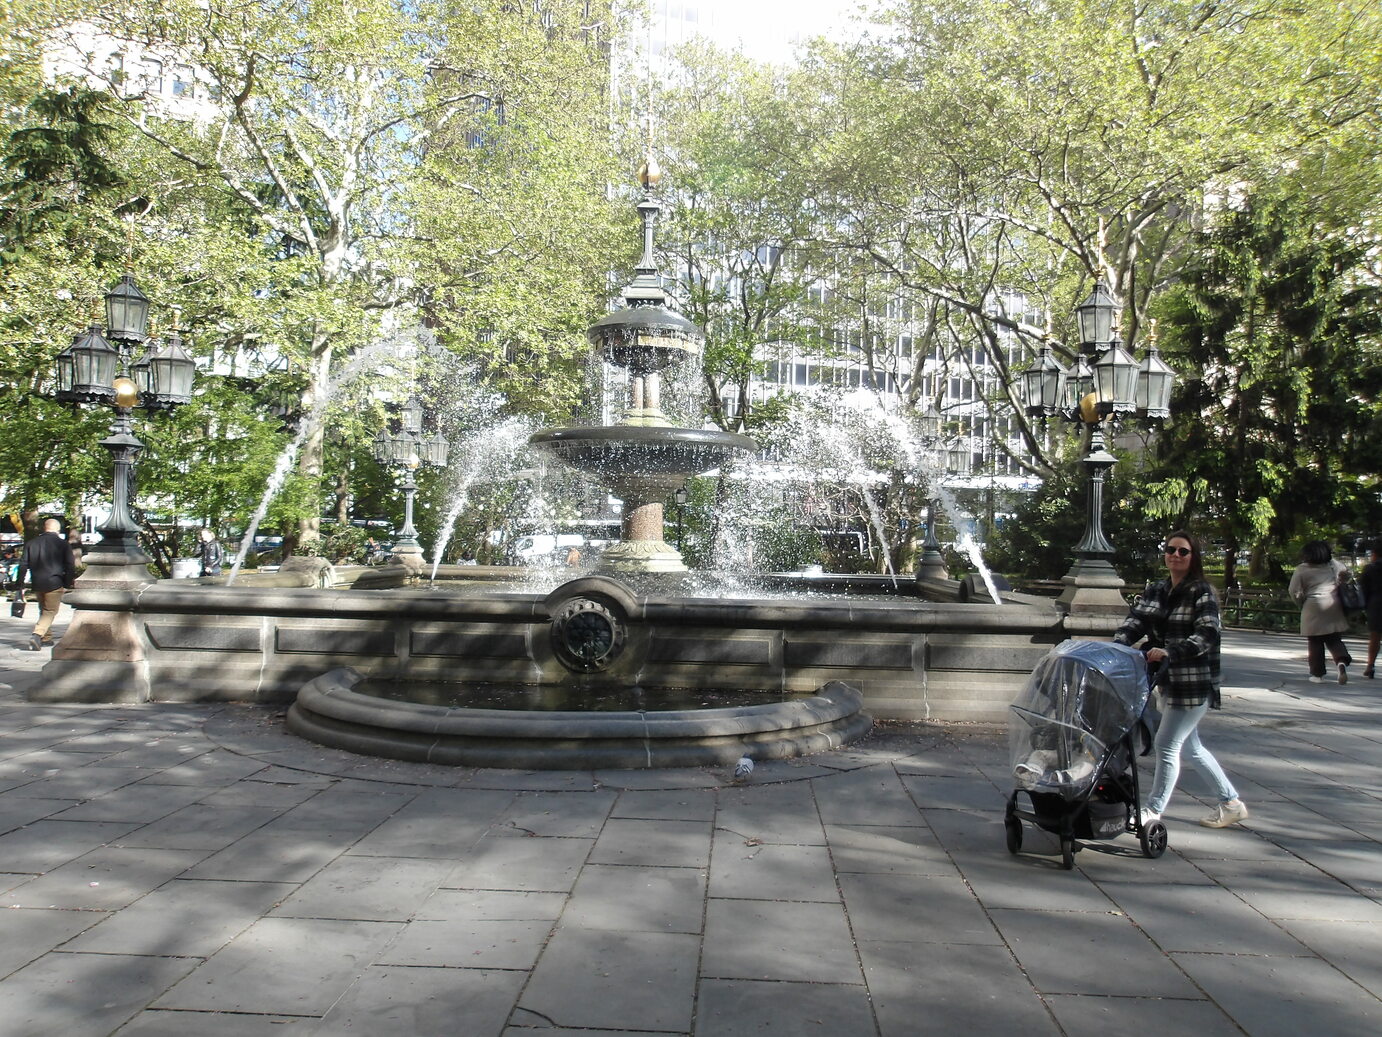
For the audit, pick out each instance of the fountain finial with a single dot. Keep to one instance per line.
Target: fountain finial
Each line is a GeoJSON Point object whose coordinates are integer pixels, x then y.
{"type": "Point", "coordinates": [646, 288]}
{"type": "Point", "coordinates": [649, 173]}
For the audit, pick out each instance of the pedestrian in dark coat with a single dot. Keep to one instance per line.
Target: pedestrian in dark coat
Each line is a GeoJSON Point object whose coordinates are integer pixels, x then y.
{"type": "Point", "coordinates": [1370, 583]}
{"type": "Point", "coordinates": [210, 553]}
{"type": "Point", "coordinates": [51, 570]}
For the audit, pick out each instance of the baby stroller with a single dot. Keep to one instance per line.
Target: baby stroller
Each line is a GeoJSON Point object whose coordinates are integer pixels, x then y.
{"type": "Point", "coordinates": [1071, 733]}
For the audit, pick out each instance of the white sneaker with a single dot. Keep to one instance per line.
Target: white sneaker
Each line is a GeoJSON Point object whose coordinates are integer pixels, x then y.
{"type": "Point", "coordinates": [1147, 817]}
{"type": "Point", "coordinates": [1226, 814]}
{"type": "Point", "coordinates": [1316, 680]}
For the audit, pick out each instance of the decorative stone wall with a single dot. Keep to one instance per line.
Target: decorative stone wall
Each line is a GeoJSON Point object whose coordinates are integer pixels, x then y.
{"type": "Point", "coordinates": [911, 659]}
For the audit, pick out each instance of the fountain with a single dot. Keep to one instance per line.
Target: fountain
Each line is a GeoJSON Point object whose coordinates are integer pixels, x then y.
{"type": "Point", "coordinates": [643, 459]}
{"type": "Point", "coordinates": [627, 666]}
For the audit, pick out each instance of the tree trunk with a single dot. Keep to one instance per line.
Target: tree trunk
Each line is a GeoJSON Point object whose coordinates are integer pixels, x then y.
{"type": "Point", "coordinates": [315, 398]}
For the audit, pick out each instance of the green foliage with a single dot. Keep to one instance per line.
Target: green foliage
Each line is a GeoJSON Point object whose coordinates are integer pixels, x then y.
{"type": "Point", "coordinates": [1276, 327]}
{"type": "Point", "coordinates": [56, 163]}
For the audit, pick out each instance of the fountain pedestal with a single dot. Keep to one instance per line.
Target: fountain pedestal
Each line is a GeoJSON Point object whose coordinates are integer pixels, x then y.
{"type": "Point", "coordinates": [641, 548]}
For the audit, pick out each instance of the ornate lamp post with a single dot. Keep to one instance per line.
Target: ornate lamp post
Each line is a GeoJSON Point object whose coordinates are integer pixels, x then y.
{"type": "Point", "coordinates": [1106, 383]}
{"type": "Point", "coordinates": [932, 564]}
{"type": "Point", "coordinates": [681, 497]}
{"type": "Point", "coordinates": [92, 370]}
{"type": "Point", "coordinates": [407, 449]}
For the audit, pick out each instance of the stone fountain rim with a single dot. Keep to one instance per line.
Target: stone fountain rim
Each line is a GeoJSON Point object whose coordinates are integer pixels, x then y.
{"type": "Point", "coordinates": [332, 694]}
{"type": "Point", "coordinates": [643, 434]}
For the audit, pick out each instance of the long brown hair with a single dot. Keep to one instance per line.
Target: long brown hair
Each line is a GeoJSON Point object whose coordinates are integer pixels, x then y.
{"type": "Point", "coordinates": [1196, 570]}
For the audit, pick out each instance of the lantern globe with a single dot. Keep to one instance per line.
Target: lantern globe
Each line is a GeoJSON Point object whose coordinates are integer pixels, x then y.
{"type": "Point", "coordinates": [127, 311]}
{"type": "Point", "coordinates": [1096, 316]}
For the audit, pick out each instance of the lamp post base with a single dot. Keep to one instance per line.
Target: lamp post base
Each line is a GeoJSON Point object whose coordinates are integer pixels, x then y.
{"type": "Point", "coordinates": [1093, 586]}
{"type": "Point", "coordinates": [115, 566]}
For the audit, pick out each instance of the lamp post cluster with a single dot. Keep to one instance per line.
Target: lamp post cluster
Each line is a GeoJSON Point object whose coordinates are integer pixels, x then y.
{"type": "Point", "coordinates": [1105, 383]}
{"type": "Point", "coordinates": [99, 367]}
{"type": "Point", "coordinates": [407, 449]}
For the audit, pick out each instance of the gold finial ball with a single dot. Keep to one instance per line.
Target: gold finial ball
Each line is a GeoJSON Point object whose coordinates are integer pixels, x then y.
{"type": "Point", "coordinates": [1089, 408]}
{"type": "Point", "coordinates": [649, 173]}
{"type": "Point", "coordinates": [126, 393]}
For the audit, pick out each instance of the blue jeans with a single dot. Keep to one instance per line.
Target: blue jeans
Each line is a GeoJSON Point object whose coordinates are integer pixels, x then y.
{"type": "Point", "coordinates": [1177, 731]}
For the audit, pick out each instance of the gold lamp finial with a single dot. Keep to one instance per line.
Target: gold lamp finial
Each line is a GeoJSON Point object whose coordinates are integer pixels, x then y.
{"type": "Point", "coordinates": [649, 173]}
{"type": "Point", "coordinates": [126, 392]}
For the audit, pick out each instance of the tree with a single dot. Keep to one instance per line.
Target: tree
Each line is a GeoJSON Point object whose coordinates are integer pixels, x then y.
{"type": "Point", "coordinates": [338, 127]}
{"type": "Point", "coordinates": [1279, 323]}
{"type": "Point", "coordinates": [986, 149]}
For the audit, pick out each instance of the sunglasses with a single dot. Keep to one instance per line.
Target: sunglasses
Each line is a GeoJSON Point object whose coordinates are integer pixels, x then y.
{"type": "Point", "coordinates": [1182, 551]}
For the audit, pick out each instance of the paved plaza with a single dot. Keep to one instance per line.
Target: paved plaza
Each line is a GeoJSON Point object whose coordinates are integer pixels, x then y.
{"type": "Point", "coordinates": [173, 870]}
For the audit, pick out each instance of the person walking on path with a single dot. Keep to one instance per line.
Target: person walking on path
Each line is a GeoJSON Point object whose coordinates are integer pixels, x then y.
{"type": "Point", "coordinates": [51, 569]}
{"type": "Point", "coordinates": [1179, 618]}
{"type": "Point", "coordinates": [210, 553]}
{"type": "Point", "coordinates": [1370, 583]}
{"type": "Point", "coordinates": [1314, 588]}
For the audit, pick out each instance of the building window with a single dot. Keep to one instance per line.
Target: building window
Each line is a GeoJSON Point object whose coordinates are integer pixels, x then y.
{"type": "Point", "coordinates": [116, 69]}
{"type": "Point", "coordinates": [182, 81]}
{"type": "Point", "coordinates": [153, 76]}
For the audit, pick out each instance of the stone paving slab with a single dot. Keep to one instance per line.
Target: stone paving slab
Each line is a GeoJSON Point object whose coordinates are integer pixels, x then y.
{"type": "Point", "coordinates": [27, 934]}
{"type": "Point", "coordinates": [49, 844]}
{"type": "Point", "coordinates": [891, 907]}
{"type": "Point", "coordinates": [1087, 1016]}
{"type": "Point", "coordinates": [287, 966]}
{"type": "Point", "coordinates": [653, 843]}
{"type": "Point", "coordinates": [1284, 997]}
{"type": "Point", "coordinates": [637, 899]}
{"type": "Point", "coordinates": [183, 918]}
{"type": "Point", "coordinates": [742, 1008]}
{"type": "Point", "coordinates": [883, 849]}
{"type": "Point", "coordinates": [473, 944]}
{"type": "Point", "coordinates": [779, 940]}
{"type": "Point", "coordinates": [1354, 948]}
{"type": "Point", "coordinates": [106, 879]}
{"type": "Point", "coordinates": [590, 978]}
{"type": "Point", "coordinates": [424, 1002]}
{"type": "Point", "coordinates": [746, 869]}
{"type": "Point", "coordinates": [379, 889]}
{"type": "Point", "coordinates": [947, 989]}
{"type": "Point", "coordinates": [532, 865]}
{"type": "Point", "coordinates": [1089, 952]}
{"type": "Point", "coordinates": [1210, 919]}
{"type": "Point", "coordinates": [251, 884]}
{"type": "Point", "coordinates": [162, 1022]}
{"type": "Point", "coordinates": [84, 995]}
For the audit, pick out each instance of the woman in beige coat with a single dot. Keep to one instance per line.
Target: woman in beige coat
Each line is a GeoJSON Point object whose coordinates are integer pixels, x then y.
{"type": "Point", "coordinates": [1322, 618]}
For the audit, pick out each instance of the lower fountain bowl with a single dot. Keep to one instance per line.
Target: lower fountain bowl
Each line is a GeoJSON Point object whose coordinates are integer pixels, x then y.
{"type": "Point", "coordinates": [329, 711]}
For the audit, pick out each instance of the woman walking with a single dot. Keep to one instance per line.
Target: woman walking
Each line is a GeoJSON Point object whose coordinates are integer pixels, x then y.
{"type": "Point", "coordinates": [1322, 619]}
{"type": "Point", "coordinates": [1370, 582]}
{"type": "Point", "coordinates": [1179, 617]}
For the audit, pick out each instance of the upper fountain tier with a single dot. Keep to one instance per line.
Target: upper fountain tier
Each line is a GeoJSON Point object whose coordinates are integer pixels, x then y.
{"type": "Point", "coordinates": [646, 337]}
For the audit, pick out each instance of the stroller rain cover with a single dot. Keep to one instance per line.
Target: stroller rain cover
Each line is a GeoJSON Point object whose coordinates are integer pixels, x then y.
{"type": "Point", "coordinates": [1082, 698]}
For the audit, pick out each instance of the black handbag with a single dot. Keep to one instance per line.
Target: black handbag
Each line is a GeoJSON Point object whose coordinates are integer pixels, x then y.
{"type": "Point", "coordinates": [17, 607]}
{"type": "Point", "coordinates": [1350, 594]}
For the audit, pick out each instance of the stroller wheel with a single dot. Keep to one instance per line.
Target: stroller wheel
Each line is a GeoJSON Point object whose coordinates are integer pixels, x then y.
{"type": "Point", "coordinates": [1013, 827]}
{"type": "Point", "coordinates": [1067, 853]}
{"type": "Point", "coordinates": [1153, 839]}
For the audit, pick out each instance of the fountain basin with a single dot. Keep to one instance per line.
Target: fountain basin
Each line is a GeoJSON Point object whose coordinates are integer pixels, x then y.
{"type": "Point", "coordinates": [911, 659]}
{"type": "Point", "coordinates": [329, 711]}
{"type": "Point", "coordinates": [652, 455]}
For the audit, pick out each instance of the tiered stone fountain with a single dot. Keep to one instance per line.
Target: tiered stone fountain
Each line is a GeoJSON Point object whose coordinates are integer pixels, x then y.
{"type": "Point", "coordinates": [621, 668]}
{"type": "Point", "coordinates": [643, 459]}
